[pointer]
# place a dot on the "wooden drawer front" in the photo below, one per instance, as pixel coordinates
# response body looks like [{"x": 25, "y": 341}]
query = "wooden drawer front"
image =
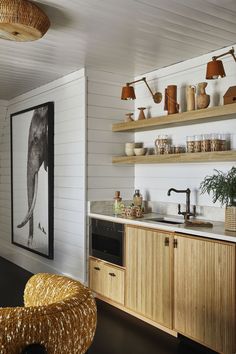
[
  {"x": 114, "y": 283},
  {"x": 107, "y": 280},
  {"x": 96, "y": 275}
]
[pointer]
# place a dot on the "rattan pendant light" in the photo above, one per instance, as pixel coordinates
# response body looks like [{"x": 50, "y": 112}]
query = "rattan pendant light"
[{"x": 22, "y": 21}]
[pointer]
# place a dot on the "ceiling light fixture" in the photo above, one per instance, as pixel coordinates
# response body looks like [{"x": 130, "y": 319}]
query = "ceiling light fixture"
[
  {"x": 215, "y": 68},
  {"x": 129, "y": 94},
  {"x": 22, "y": 21}
]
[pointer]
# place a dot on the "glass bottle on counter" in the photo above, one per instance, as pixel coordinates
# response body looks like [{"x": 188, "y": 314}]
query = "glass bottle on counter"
[
  {"x": 118, "y": 205},
  {"x": 137, "y": 199}
]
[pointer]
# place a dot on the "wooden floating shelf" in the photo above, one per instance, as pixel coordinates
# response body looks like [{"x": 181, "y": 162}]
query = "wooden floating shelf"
[
  {"x": 177, "y": 158},
  {"x": 179, "y": 119}
]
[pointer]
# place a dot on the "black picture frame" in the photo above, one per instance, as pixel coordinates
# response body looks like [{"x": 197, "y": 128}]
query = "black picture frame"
[{"x": 32, "y": 179}]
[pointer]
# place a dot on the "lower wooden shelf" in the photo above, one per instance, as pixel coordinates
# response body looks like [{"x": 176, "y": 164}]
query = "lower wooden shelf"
[{"x": 177, "y": 158}]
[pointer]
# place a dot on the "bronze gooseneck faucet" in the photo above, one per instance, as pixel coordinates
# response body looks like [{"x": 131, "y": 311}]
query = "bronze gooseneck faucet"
[{"x": 186, "y": 213}]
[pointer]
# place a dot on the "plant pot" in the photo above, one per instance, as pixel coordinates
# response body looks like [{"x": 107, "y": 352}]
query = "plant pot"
[{"x": 230, "y": 218}]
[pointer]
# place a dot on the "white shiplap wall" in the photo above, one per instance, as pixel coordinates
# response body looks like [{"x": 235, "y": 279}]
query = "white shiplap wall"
[
  {"x": 5, "y": 193},
  {"x": 69, "y": 96},
  {"x": 155, "y": 180},
  {"x": 104, "y": 108}
]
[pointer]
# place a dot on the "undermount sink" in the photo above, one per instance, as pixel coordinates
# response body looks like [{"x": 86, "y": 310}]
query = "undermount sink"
[{"x": 166, "y": 221}]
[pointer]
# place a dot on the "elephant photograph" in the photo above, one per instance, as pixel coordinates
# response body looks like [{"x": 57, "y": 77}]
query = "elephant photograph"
[{"x": 32, "y": 164}]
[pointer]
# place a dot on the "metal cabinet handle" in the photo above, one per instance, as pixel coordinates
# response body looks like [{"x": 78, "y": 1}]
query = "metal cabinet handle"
[
  {"x": 167, "y": 241},
  {"x": 112, "y": 274},
  {"x": 96, "y": 268},
  {"x": 175, "y": 243}
]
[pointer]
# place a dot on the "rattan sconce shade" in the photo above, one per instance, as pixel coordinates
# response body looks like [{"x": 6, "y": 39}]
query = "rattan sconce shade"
[
  {"x": 22, "y": 21},
  {"x": 128, "y": 93},
  {"x": 215, "y": 69}
]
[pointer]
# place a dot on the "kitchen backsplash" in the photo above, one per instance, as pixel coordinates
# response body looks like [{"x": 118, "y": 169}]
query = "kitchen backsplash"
[{"x": 203, "y": 212}]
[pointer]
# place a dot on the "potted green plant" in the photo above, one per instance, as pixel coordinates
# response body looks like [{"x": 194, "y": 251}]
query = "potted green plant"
[{"x": 223, "y": 188}]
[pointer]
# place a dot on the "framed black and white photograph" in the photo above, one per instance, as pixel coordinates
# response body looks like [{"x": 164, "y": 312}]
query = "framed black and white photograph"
[{"x": 32, "y": 165}]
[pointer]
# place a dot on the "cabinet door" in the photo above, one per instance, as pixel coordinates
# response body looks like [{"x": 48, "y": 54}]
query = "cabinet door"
[
  {"x": 148, "y": 279},
  {"x": 114, "y": 283},
  {"x": 204, "y": 292},
  {"x": 96, "y": 275}
]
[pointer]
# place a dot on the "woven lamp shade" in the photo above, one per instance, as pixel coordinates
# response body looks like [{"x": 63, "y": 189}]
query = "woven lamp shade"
[
  {"x": 22, "y": 21},
  {"x": 215, "y": 69},
  {"x": 128, "y": 93}
]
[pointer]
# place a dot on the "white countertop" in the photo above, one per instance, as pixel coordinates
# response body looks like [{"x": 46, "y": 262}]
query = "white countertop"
[{"x": 216, "y": 232}]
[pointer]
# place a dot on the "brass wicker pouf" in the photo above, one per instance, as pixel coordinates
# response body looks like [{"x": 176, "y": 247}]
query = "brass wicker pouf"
[{"x": 60, "y": 313}]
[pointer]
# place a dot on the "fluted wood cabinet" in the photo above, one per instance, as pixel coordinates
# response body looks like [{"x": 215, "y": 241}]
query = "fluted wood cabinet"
[
  {"x": 149, "y": 274},
  {"x": 180, "y": 283},
  {"x": 204, "y": 292}
]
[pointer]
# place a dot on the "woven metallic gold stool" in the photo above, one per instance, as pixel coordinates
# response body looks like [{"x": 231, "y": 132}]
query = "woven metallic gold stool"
[{"x": 60, "y": 313}]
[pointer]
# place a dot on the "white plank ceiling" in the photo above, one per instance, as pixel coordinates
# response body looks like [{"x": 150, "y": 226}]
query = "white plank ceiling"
[{"x": 124, "y": 36}]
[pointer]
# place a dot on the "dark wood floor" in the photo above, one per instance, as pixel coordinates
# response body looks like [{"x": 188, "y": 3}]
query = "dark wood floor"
[{"x": 117, "y": 332}]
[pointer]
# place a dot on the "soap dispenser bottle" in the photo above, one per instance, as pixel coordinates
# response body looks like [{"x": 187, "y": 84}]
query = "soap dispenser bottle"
[{"x": 137, "y": 199}]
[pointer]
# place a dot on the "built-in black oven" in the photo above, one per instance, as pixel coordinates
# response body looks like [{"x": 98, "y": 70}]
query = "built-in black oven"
[{"x": 106, "y": 240}]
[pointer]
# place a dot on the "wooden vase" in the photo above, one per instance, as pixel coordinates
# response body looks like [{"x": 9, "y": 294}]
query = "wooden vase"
[
  {"x": 171, "y": 104},
  {"x": 141, "y": 113},
  {"x": 203, "y": 100},
  {"x": 190, "y": 98}
]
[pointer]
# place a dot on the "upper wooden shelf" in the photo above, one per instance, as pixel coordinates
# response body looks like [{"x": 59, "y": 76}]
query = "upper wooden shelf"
[
  {"x": 178, "y": 119},
  {"x": 178, "y": 158}
]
